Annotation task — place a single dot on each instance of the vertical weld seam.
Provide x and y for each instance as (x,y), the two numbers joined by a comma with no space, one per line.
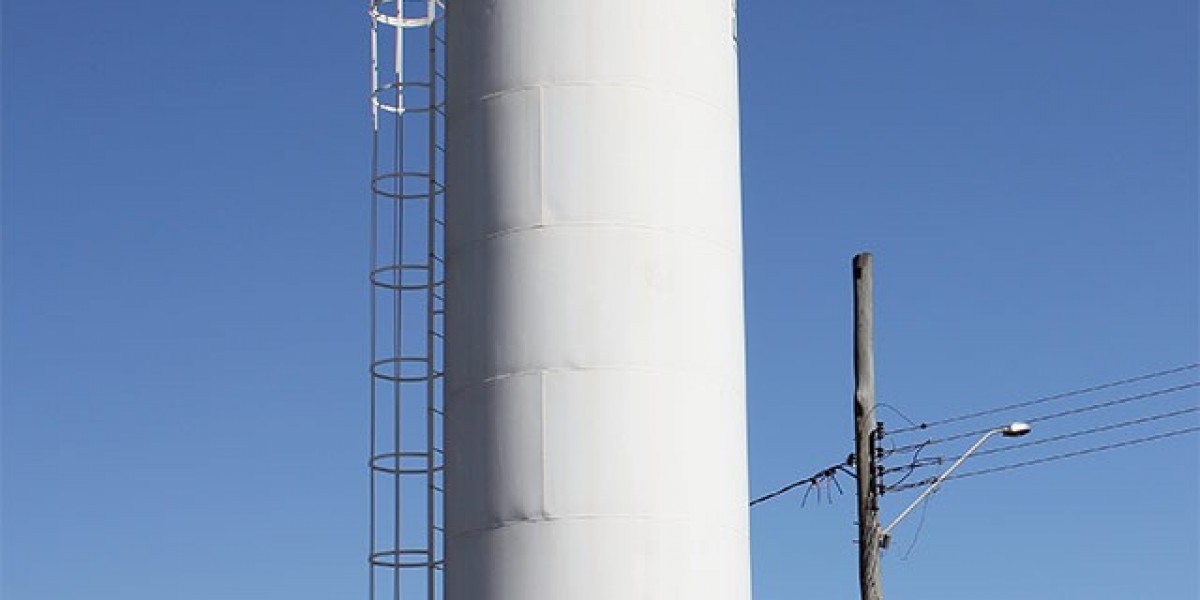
(544,509)
(541,154)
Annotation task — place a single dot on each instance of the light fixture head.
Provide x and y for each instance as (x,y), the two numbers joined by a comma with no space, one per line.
(1016,429)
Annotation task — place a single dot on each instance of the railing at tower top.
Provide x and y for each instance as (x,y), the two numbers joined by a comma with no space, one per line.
(407,282)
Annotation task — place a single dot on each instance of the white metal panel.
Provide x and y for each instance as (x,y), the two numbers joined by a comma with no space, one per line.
(578,297)
(681,46)
(595,368)
(601,559)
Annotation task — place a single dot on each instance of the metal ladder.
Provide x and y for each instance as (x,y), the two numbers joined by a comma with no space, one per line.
(407,282)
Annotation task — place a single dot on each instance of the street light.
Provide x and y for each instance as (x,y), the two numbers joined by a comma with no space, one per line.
(1016,429)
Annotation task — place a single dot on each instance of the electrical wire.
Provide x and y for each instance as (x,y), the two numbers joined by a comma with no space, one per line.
(920,527)
(1091,431)
(1044,399)
(829,474)
(1046,459)
(1126,399)
(917,462)
(814,480)
(913,465)
(1051,416)
(879,405)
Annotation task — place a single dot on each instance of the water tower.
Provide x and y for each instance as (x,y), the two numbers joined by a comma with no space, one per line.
(590,389)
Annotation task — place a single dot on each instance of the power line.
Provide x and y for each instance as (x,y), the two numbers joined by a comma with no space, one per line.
(897,411)
(1046,459)
(1065,455)
(1090,408)
(829,474)
(1044,399)
(917,463)
(1052,416)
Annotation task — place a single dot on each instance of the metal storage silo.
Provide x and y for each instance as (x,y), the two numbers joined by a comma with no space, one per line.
(595,388)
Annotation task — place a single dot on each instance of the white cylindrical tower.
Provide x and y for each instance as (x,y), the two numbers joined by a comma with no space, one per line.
(595,396)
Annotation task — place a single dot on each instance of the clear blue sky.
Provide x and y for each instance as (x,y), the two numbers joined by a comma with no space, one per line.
(184,296)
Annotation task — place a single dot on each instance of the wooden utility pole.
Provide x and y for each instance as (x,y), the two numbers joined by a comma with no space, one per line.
(865,430)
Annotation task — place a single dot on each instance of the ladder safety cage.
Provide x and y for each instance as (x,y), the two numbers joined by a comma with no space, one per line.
(407,282)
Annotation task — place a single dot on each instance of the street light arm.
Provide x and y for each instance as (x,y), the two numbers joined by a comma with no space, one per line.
(936,482)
